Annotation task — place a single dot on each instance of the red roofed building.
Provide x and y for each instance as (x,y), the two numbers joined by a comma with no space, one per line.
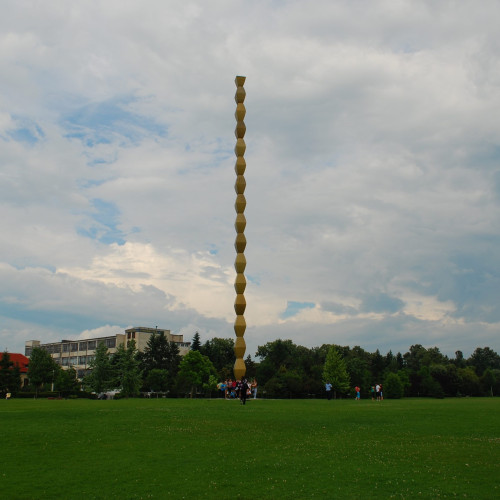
(22,362)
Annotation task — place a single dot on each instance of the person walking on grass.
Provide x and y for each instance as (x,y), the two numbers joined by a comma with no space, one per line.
(243,391)
(377,390)
(328,389)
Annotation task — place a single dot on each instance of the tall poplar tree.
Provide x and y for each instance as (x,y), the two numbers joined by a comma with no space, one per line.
(335,372)
(101,376)
(126,369)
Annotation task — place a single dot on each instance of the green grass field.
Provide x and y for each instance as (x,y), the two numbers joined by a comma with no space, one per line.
(181,448)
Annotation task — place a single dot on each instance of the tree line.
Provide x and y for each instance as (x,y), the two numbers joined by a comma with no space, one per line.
(284,370)
(290,370)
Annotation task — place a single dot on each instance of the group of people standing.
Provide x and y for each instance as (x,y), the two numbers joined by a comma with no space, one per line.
(376,392)
(238,389)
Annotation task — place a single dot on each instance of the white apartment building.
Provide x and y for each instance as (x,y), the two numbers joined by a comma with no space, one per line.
(79,353)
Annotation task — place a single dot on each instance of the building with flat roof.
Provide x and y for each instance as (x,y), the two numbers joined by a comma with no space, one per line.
(79,353)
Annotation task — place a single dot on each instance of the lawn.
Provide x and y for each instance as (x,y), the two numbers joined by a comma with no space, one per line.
(181,448)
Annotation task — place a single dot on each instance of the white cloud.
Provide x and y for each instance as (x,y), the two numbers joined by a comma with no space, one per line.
(372,179)
(102,331)
(192,281)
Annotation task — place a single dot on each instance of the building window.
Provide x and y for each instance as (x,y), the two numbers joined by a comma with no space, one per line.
(73,360)
(74,347)
(82,360)
(83,346)
(111,343)
(65,347)
(27,352)
(64,361)
(91,345)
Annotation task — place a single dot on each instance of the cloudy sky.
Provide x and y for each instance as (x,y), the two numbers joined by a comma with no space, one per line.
(373,170)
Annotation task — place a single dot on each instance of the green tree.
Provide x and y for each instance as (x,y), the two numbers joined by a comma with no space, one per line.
(469,384)
(276,355)
(358,371)
(335,372)
(414,357)
(414,360)
(100,378)
(285,384)
(10,375)
(490,382)
(157,380)
(447,376)
(429,386)
(221,354)
(6,366)
(377,366)
(173,361)
(126,370)
(160,354)
(15,380)
(251,367)
(155,354)
(211,385)
(41,368)
(393,387)
(196,343)
(194,371)
(459,360)
(399,361)
(405,380)
(66,381)
(484,358)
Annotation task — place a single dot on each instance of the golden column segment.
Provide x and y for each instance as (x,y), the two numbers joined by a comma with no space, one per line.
(240,224)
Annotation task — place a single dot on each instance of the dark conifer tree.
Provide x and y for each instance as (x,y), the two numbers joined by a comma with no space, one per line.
(196,343)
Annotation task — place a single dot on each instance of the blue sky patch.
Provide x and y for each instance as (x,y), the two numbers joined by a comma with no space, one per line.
(106,217)
(293,308)
(27,131)
(108,121)
(253,279)
(57,319)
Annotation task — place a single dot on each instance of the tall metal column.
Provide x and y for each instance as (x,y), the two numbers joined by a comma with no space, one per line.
(240,223)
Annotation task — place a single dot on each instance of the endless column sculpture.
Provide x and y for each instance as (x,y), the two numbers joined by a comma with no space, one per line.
(240,223)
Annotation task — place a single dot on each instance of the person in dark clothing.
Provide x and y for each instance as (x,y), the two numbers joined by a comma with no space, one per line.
(243,391)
